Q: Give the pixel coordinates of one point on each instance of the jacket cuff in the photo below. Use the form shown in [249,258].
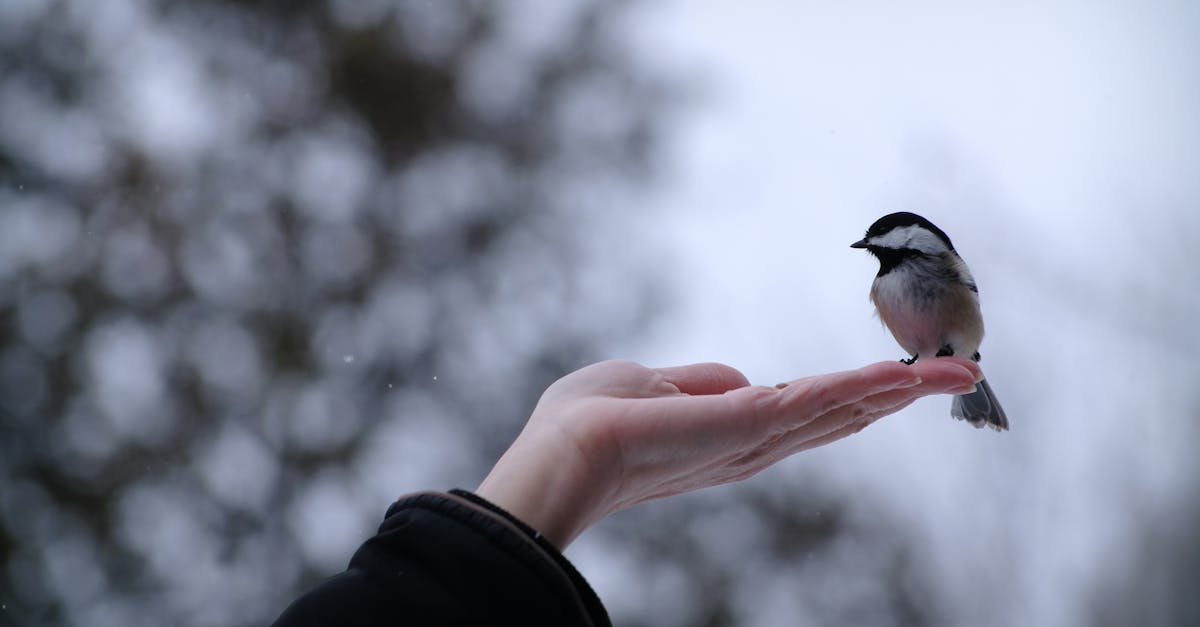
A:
[515,552]
[587,595]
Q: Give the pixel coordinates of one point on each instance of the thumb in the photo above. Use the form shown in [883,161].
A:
[706,378]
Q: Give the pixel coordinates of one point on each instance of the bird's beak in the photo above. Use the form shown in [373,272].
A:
[862,243]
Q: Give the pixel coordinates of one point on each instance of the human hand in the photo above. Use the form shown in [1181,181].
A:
[616,433]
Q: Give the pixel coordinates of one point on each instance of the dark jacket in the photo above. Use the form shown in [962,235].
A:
[451,559]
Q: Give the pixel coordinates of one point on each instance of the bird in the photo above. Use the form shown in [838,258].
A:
[925,295]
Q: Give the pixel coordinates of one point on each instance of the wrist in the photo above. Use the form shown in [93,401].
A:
[542,481]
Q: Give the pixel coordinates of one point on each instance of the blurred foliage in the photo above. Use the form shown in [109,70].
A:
[266,265]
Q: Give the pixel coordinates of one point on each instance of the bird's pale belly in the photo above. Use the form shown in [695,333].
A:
[925,323]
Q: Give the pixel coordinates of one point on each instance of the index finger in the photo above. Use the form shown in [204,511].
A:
[756,407]
[820,394]
[811,397]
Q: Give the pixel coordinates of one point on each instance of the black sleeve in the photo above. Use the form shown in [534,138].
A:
[451,559]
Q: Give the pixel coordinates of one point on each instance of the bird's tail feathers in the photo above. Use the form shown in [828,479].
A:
[980,408]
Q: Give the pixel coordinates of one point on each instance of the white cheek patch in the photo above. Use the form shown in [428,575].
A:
[913,237]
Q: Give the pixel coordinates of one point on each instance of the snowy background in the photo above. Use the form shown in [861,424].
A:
[264,266]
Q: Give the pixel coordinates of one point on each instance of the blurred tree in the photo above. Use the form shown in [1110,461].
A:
[266,265]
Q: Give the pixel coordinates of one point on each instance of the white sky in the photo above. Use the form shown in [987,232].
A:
[1059,147]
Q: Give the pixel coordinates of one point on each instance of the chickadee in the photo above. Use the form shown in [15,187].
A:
[927,298]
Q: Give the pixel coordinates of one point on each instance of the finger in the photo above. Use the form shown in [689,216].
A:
[940,378]
[821,431]
[849,429]
[838,427]
[749,410]
[935,379]
[704,379]
[808,408]
[969,365]
[821,394]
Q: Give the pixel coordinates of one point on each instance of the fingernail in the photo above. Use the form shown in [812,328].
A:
[964,389]
[913,382]
[979,376]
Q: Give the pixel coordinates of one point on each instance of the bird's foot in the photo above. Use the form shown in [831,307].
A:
[910,360]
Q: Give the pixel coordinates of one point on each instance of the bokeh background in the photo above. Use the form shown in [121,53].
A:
[266,265]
